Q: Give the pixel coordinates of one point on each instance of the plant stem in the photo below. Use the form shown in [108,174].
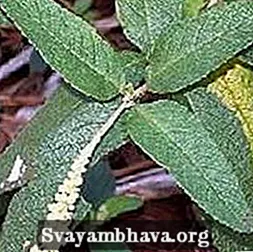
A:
[79,166]
[86,153]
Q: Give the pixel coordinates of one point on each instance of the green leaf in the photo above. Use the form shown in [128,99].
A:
[227,132]
[235,90]
[47,119]
[226,240]
[116,136]
[112,208]
[116,206]
[50,153]
[193,151]
[192,48]
[144,20]
[71,46]
[83,208]
[100,183]
[82,6]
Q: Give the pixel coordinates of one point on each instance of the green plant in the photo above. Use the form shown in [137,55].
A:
[202,133]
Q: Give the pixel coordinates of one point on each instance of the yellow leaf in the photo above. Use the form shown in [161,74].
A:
[235,90]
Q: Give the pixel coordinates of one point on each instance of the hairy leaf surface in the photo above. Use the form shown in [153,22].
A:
[181,141]
[192,48]
[47,119]
[51,156]
[235,90]
[144,20]
[117,205]
[226,240]
[71,46]
[225,129]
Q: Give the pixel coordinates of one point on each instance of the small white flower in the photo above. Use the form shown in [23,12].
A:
[35,248]
[67,216]
[78,181]
[52,216]
[74,174]
[17,171]
[71,199]
[61,197]
[71,208]
[58,207]
[69,185]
